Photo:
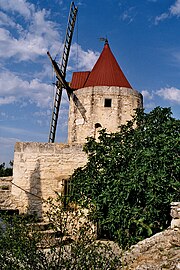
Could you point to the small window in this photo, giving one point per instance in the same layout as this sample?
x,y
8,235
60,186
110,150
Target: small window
x,y
107,102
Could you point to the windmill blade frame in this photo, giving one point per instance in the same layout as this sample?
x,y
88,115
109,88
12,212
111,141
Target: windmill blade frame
x,y
62,84
61,72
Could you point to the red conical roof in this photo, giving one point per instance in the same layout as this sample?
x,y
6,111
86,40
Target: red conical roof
x,y
106,72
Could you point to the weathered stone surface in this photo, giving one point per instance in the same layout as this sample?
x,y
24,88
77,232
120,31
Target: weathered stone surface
x,y
175,210
123,103
39,170
159,252
5,192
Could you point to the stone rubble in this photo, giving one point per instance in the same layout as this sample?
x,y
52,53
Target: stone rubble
x,y
159,252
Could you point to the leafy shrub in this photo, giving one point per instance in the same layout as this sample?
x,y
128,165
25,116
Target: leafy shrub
x,y
6,171
131,177
72,245
77,244
18,245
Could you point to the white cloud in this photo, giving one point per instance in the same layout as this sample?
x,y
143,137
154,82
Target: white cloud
x,y
129,15
148,99
175,9
7,146
146,94
161,17
150,105
40,93
20,6
16,90
44,113
3,114
7,100
6,20
11,85
8,142
30,42
18,131
85,59
169,93
39,35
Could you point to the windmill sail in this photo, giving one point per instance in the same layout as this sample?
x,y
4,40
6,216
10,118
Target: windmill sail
x,y
61,72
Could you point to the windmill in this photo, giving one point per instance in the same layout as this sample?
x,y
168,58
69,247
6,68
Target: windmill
x,y
60,72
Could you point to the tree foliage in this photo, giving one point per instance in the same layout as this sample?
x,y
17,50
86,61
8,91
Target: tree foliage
x,y
18,245
68,244
6,171
132,176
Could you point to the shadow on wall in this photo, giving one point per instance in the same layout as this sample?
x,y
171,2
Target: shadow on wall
x,y
35,192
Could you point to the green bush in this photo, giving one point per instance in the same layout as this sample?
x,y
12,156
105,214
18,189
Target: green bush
x,y
6,171
18,245
131,177
71,246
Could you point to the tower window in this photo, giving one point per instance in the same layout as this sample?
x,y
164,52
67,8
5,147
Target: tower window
x,y
107,102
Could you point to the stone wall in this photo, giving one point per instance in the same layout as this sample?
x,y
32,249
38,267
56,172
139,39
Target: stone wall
x,y
5,192
96,113
175,214
39,170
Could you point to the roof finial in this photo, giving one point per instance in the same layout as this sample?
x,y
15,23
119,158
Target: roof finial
x,y
104,39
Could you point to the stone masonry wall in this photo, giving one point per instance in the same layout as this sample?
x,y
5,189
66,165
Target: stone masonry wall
x,y
123,102
175,214
39,170
5,192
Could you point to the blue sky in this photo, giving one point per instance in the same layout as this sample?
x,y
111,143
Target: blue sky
x,y
144,36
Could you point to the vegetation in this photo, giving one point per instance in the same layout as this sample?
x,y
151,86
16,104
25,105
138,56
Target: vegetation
x,y
126,188
18,245
6,171
69,245
131,177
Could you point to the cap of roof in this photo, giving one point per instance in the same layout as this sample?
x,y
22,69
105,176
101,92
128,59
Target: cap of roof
x,y
106,72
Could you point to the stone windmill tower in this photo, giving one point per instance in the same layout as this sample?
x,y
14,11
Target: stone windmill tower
x,y
105,97
102,98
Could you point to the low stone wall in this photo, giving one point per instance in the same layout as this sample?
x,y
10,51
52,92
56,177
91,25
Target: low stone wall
x,y
6,183
39,170
175,214
5,192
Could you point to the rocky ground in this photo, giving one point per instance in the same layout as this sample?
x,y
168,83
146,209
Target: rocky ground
x,y
159,252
